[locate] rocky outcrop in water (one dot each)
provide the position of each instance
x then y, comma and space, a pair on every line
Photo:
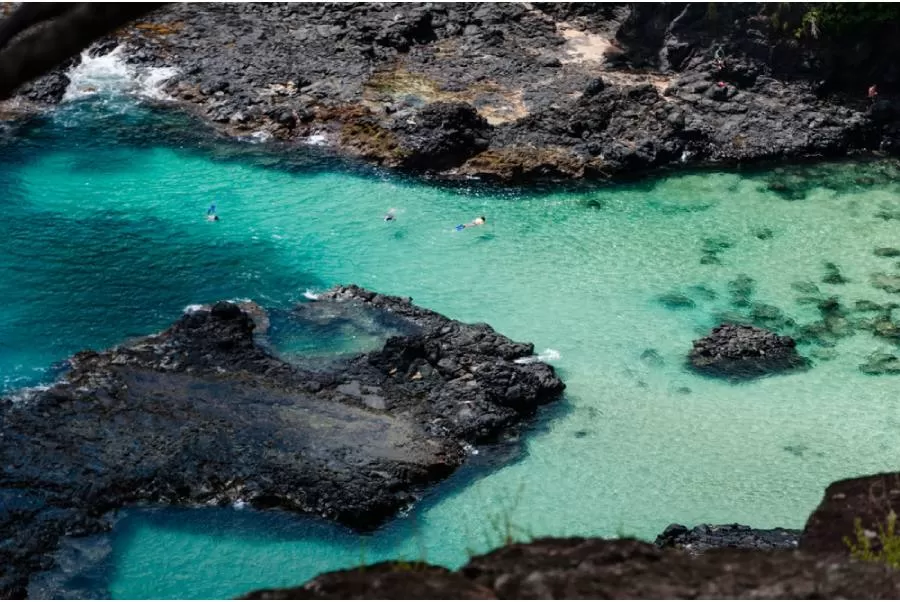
710, 537
523, 92
203, 413
736, 351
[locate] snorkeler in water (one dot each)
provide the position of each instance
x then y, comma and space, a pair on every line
478, 221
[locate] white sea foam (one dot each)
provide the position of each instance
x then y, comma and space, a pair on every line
151, 81
193, 307
309, 294
260, 136
547, 355
95, 75
23, 396
316, 140
110, 75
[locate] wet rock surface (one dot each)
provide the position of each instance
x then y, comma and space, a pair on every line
710, 537
559, 93
737, 352
203, 414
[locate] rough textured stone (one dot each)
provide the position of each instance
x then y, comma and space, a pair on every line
737, 351
868, 499
203, 413
590, 92
600, 569
709, 537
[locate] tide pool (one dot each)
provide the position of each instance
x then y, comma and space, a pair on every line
104, 237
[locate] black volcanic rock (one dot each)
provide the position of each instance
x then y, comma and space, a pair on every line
203, 413
595, 91
553, 569
710, 537
736, 352
736, 562
441, 135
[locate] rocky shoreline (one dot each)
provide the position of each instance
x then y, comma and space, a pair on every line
515, 93
204, 413
765, 565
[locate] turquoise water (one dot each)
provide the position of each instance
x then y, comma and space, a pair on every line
104, 237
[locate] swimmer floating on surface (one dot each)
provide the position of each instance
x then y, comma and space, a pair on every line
390, 215
478, 221
211, 213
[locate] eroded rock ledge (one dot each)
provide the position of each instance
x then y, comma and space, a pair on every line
520, 92
202, 413
579, 568
602, 569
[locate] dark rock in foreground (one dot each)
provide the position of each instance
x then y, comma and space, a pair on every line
736, 351
709, 537
203, 414
595, 568
869, 499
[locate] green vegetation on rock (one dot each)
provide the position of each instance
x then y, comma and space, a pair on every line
888, 549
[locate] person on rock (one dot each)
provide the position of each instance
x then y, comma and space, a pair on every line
873, 93
719, 60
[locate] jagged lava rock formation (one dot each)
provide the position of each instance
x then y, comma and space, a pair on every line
202, 413
520, 92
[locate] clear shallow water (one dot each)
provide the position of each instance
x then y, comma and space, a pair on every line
104, 237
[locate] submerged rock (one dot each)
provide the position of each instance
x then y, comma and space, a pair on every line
864, 305
763, 311
708, 537
833, 274
736, 351
704, 292
741, 289
202, 414
676, 301
807, 287
651, 357
887, 252
789, 188
885, 328
887, 282
823, 353
712, 248
881, 363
